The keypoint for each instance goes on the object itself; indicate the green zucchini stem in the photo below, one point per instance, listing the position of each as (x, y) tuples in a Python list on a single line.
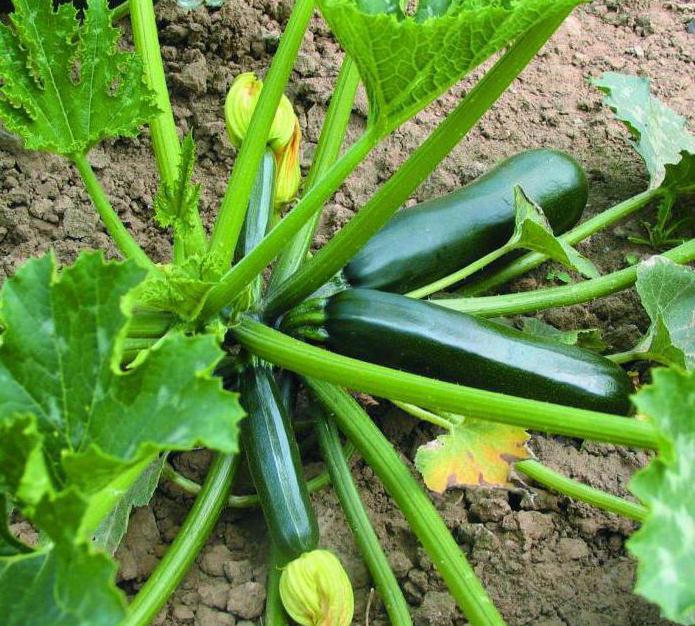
[(460, 275), (421, 515), (574, 489), (120, 235), (240, 185), (189, 541), (428, 416), (540, 299), (531, 260), (274, 611), (635, 355), (327, 151), (121, 11), (384, 382), (379, 209), (251, 501), (365, 537)]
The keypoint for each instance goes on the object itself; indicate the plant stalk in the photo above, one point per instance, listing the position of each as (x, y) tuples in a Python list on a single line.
[(327, 151), (533, 301), (384, 382), (423, 518), (574, 489), (365, 537), (189, 541), (120, 235), (236, 198), (274, 611), (531, 260), (333, 257)]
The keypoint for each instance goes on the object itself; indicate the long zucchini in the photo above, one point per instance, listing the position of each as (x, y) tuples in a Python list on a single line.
[(275, 466), (426, 242), (423, 338)]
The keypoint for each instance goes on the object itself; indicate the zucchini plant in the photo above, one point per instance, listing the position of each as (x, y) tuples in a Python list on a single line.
[(106, 366)]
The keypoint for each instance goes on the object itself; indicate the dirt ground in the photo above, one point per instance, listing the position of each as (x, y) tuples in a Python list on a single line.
[(546, 561)]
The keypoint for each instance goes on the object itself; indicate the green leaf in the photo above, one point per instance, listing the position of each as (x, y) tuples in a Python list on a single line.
[(659, 133), (473, 453), (665, 545), (65, 86), (667, 292), (533, 232), (114, 526), (681, 176), (176, 205), (59, 361), (588, 338), (406, 62)]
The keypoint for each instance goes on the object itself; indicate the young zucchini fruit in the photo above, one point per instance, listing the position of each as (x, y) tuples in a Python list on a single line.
[(426, 242), (275, 466), (423, 338)]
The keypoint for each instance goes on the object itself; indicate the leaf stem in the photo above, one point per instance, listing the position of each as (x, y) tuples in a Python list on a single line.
[(421, 515), (183, 551), (249, 267), (460, 275), (121, 11), (236, 198), (327, 151), (578, 233), (274, 611), (333, 257), (122, 238), (425, 415), (636, 355), (307, 360), (574, 489), (361, 527), (532, 301)]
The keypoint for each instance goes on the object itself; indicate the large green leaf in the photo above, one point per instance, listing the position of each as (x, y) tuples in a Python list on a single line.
[(665, 545), (659, 133), (59, 361), (667, 292), (66, 86), (405, 61)]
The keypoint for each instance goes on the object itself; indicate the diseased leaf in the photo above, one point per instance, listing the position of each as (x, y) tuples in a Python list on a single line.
[(533, 232), (589, 338), (475, 452), (667, 292), (114, 526), (659, 133), (665, 545), (176, 205), (65, 86), (59, 362), (405, 62)]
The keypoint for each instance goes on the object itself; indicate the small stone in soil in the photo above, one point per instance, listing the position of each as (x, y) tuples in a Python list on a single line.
[(214, 594), (438, 609), (238, 572), (247, 600), (209, 617), (183, 614), (214, 559)]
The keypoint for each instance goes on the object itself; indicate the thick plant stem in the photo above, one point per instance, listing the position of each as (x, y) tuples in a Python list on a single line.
[(327, 151), (532, 301), (121, 11), (365, 537), (183, 551), (333, 257), (422, 517), (249, 267), (167, 149), (529, 261), (462, 274), (122, 238), (236, 198), (600, 499), (307, 360)]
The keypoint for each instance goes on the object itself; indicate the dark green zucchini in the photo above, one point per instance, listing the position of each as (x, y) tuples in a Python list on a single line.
[(426, 242), (275, 466), (423, 338)]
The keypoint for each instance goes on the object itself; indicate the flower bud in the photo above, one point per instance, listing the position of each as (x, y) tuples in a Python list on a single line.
[(316, 591), (288, 175), (238, 108)]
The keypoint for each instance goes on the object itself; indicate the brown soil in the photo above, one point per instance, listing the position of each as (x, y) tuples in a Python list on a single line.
[(545, 559)]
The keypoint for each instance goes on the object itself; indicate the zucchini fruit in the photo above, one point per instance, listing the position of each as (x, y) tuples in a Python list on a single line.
[(275, 466), (423, 338), (431, 240)]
